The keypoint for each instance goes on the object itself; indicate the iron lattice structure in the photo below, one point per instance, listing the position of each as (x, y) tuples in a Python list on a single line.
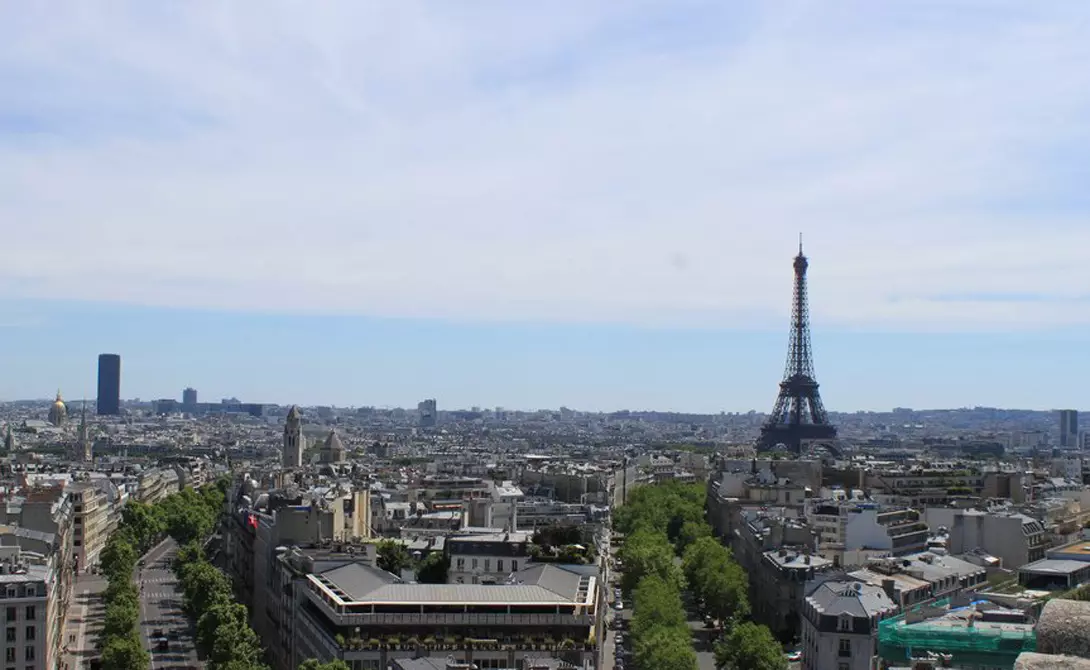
[(798, 415)]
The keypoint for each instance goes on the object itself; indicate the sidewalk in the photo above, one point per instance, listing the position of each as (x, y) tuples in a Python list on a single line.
[(85, 616)]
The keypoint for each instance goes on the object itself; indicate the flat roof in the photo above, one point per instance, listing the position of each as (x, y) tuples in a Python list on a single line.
[(544, 585), (1054, 566)]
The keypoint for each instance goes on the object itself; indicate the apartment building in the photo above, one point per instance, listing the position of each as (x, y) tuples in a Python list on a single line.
[(840, 624), (487, 558), (90, 521), (155, 484), (1014, 538), (33, 627), (368, 618)]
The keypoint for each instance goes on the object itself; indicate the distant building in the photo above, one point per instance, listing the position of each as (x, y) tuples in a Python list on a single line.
[(427, 412), (1069, 428), (58, 411), (294, 442), (189, 397), (109, 385)]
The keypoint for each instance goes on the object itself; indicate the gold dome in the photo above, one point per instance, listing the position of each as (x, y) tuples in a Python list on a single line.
[(58, 411)]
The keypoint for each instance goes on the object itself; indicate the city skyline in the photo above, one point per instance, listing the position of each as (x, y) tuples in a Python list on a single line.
[(289, 360), (513, 205)]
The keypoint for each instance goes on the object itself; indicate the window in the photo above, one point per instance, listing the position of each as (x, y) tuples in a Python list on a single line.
[(10, 654), (499, 565), (30, 613), (844, 623), (11, 634), (845, 648), (461, 564), (474, 566), (12, 614), (843, 666), (514, 565), (30, 652), (488, 565), (30, 632)]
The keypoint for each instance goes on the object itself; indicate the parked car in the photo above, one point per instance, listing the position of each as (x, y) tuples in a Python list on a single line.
[(793, 656)]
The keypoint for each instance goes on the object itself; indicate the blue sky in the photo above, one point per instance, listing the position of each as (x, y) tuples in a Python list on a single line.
[(526, 204)]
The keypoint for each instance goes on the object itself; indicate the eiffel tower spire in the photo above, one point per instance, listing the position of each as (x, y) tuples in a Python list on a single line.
[(798, 414)]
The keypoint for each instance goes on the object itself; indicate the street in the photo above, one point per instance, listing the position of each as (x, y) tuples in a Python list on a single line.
[(161, 609)]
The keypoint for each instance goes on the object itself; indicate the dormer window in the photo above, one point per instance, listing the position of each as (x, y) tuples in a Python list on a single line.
[(844, 623)]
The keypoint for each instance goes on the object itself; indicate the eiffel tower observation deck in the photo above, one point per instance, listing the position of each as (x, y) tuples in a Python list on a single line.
[(798, 417)]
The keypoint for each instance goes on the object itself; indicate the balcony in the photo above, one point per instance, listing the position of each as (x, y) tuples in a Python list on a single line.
[(431, 643), (453, 619)]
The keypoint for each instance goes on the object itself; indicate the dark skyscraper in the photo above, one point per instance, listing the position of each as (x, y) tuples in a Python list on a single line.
[(1069, 428), (109, 384), (189, 397)]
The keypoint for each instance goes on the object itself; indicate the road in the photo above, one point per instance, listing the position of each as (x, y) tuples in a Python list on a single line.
[(161, 608)]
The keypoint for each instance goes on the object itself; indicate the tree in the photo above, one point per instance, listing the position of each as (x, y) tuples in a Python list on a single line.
[(234, 643), (657, 604), (191, 552), (716, 579), (118, 558), (648, 552), (691, 531), (725, 593), (219, 613), (203, 584), (313, 664), (433, 569), (393, 557), (122, 591), (666, 649), (120, 619), (749, 646), (125, 652), (144, 523)]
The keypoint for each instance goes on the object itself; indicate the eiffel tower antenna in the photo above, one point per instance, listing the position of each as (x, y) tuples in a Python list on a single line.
[(798, 414)]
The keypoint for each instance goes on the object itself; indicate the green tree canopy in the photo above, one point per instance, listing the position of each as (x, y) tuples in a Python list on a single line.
[(433, 569), (125, 652), (716, 579), (234, 643), (219, 613), (120, 619), (648, 552), (144, 524), (392, 556), (666, 649), (666, 507), (312, 664), (118, 558), (203, 584), (657, 604), (749, 646)]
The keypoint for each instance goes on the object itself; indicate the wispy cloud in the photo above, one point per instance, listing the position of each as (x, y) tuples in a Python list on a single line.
[(645, 162)]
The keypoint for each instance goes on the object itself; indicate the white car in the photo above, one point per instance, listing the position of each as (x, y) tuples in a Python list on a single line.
[(618, 605)]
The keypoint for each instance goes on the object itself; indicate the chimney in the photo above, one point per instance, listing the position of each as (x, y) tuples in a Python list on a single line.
[(890, 587)]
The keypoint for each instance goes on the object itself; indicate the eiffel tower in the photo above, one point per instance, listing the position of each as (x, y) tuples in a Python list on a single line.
[(798, 416)]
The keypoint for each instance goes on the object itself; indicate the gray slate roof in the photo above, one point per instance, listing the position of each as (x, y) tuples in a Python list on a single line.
[(542, 584), (850, 597)]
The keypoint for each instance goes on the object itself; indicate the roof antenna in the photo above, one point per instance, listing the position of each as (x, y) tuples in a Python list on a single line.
[(800, 244)]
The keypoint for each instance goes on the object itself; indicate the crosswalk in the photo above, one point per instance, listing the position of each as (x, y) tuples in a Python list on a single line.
[(160, 595)]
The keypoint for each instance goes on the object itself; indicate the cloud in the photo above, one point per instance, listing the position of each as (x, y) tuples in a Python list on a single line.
[(642, 162)]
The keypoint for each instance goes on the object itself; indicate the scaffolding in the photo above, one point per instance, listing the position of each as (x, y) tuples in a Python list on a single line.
[(958, 631)]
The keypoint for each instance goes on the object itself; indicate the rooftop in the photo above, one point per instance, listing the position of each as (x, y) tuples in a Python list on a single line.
[(357, 583)]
